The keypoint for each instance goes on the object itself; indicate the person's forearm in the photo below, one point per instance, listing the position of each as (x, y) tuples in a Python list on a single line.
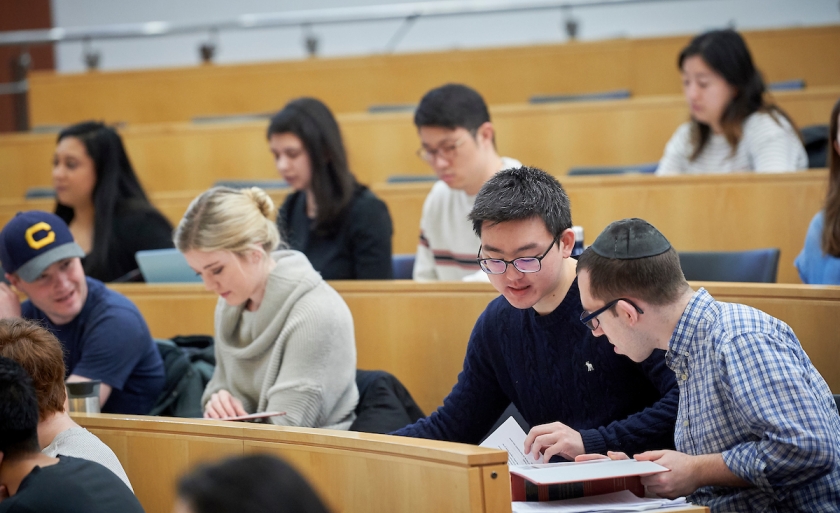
[(712, 471)]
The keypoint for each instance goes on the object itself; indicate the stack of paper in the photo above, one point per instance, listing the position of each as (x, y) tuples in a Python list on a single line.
[(511, 438), (618, 501)]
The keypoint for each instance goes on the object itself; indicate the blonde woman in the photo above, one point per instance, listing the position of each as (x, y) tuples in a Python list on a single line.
[(284, 338)]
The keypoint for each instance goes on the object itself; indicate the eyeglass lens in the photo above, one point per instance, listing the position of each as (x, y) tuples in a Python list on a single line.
[(524, 265)]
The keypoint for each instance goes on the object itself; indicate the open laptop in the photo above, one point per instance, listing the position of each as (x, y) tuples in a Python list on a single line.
[(165, 266)]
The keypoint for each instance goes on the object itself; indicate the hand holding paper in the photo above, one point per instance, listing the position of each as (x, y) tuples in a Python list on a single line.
[(687, 473), (610, 456), (555, 438)]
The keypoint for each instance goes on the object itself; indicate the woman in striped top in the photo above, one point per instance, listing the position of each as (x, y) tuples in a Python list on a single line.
[(733, 128)]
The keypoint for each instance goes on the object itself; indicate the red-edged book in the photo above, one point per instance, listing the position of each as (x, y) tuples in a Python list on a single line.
[(557, 481)]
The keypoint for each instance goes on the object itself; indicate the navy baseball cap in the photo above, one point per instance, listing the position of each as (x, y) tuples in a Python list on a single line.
[(33, 241)]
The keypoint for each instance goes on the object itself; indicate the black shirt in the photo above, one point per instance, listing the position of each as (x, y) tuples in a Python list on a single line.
[(360, 249), (132, 230), (72, 486)]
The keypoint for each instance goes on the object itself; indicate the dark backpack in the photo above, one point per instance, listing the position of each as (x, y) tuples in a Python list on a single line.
[(188, 364)]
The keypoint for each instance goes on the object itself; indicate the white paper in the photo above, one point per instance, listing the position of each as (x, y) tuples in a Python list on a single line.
[(510, 437), (573, 472), (618, 501)]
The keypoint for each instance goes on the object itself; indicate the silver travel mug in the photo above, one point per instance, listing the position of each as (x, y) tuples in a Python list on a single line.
[(83, 396)]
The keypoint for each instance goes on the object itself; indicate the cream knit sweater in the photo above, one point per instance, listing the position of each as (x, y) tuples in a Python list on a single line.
[(296, 353)]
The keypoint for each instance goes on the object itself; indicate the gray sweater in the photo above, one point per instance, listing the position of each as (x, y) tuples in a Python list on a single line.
[(296, 353)]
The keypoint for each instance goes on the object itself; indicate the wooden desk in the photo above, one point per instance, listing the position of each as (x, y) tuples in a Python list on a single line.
[(696, 213), (353, 472), (419, 331), (644, 66), (416, 331), (186, 157)]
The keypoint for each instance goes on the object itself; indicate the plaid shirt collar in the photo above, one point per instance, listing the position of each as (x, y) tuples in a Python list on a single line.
[(683, 336)]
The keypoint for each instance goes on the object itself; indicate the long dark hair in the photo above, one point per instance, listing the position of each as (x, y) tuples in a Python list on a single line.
[(116, 186), (727, 54), (333, 185), (249, 484), (831, 225)]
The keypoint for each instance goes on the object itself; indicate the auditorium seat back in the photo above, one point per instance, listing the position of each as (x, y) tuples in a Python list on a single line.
[(756, 266)]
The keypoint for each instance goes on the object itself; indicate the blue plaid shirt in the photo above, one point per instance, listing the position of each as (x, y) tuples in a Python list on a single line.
[(749, 391)]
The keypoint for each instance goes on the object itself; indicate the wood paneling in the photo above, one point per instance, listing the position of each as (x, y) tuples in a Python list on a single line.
[(645, 66), (183, 156), (353, 472), (697, 213), (419, 331)]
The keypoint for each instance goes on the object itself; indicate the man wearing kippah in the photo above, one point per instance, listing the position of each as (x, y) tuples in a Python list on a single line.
[(757, 428), (103, 334), (529, 349)]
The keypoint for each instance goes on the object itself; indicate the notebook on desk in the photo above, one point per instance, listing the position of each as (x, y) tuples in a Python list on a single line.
[(165, 266)]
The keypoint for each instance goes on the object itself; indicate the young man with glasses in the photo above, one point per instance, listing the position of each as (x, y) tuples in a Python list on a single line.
[(529, 348), (458, 142), (757, 427)]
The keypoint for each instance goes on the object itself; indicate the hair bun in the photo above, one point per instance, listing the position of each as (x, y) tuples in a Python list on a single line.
[(263, 202)]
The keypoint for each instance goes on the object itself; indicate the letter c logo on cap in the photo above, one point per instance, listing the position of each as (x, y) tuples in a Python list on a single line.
[(39, 227)]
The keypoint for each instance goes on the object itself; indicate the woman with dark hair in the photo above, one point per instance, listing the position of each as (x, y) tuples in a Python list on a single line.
[(733, 127), (101, 200), (819, 261), (257, 483), (339, 224)]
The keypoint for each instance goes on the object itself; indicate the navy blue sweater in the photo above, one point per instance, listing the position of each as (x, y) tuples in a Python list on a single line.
[(552, 369)]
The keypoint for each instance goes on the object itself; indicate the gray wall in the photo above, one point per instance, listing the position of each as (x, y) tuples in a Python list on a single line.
[(643, 20)]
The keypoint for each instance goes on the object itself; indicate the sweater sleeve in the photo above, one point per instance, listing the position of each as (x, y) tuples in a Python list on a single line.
[(219, 377), (476, 401), (675, 158), (316, 368), (773, 145), (649, 429), (370, 237), (424, 261)]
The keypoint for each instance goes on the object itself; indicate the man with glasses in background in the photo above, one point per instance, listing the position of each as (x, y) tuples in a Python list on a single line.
[(458, 141), (530, 349), (757, 428)]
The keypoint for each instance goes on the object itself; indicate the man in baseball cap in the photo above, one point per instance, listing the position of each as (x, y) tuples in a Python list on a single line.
[(757, 428), (103, 334)]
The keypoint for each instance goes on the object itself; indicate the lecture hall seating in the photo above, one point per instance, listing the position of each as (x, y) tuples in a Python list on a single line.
[(697, 213), (419, 331), (644, 66), (353, 472), (183, 156)]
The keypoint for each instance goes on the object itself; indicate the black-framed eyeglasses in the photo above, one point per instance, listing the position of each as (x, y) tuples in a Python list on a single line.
[(591, 319), (522, 264), (447, 151)]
